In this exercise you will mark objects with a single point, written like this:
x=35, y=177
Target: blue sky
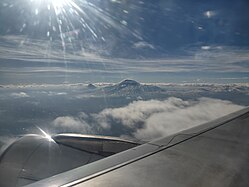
x=52, y=41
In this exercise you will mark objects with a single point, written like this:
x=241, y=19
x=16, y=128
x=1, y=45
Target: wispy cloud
x=143, y=44
x=27, y=49
x=218, y=59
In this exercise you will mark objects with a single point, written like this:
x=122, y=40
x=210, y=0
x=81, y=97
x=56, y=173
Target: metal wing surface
x=212, y=154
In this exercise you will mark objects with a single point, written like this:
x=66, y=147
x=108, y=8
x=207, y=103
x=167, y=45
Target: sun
x=52, y=3
x=60, y=3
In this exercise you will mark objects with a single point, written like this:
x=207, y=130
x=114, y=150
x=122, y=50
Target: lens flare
x=74, y=28
x=46, y=135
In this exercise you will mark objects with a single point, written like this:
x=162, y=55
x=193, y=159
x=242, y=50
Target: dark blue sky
x=107, y=40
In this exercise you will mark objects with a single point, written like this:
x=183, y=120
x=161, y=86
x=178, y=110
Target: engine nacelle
x=34, y=157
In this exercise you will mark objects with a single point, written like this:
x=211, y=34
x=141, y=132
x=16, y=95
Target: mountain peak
x=131, y=88
x=91, y=86
x=128, y=82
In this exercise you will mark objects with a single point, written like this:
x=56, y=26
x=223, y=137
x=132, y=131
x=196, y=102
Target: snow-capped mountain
x=91, y=86
x=130, y=88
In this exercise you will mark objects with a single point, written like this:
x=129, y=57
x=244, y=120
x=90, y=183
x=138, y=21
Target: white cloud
x=193, y=114
x=209, y=13
x=137, y=111
x=162, y=118
x=20, y=95
x=143, y=44
x=50, y=93
x=206, y=47
x=72, y=124
x=147, y=120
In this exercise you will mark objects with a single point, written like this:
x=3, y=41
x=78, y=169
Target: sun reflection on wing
x=46, y=135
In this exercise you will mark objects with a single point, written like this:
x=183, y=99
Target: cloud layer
x=150, y=119
x=184, y=115
x=36, y=54
x=20, y=95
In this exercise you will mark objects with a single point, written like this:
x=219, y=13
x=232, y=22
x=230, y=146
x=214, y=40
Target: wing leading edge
x=213, y=154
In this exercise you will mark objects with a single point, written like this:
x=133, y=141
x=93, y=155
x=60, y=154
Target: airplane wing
x=213, y=154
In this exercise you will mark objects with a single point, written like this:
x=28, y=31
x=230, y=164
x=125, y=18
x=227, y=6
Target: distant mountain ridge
x=130, y=87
